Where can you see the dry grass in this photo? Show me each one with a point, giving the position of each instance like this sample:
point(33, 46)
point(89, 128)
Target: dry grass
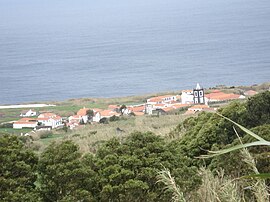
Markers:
point(164, 176)
point(89, 136)
point(218, 188)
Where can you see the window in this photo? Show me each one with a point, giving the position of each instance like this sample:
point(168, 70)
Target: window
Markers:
point(201, 93)
point(196, 94)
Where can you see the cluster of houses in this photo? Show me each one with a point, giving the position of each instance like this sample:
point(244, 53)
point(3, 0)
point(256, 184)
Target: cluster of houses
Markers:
point(193, 100)
point(190, 101)
point(44, 121)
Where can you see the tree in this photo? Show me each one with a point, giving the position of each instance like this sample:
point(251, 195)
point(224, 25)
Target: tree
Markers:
point(64, 176)
point(122, 109)
point(17, 170)
point(90, 113)
point(258, 108)
point(128, 170)
point(114, 118)
point(104, 120)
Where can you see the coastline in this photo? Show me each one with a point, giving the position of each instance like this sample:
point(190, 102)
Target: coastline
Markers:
point(26, 106)
point(127, 99)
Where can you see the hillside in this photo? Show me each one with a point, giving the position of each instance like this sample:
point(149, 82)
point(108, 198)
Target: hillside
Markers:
point(97, 163)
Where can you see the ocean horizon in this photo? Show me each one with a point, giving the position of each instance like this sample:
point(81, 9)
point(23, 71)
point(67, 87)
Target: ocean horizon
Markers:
point(57, 50)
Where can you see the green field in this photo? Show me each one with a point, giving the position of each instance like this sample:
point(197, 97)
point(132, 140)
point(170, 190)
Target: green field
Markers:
point(15, 131)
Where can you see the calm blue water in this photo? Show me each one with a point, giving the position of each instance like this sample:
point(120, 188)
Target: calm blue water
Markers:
point(59, 49)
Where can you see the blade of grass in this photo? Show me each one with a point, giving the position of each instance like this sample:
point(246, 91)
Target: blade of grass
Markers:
point(243, 128)
point(260, 175)
point(224, 151)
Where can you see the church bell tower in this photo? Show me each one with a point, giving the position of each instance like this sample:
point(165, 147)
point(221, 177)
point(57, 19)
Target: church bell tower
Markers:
point(198, 95)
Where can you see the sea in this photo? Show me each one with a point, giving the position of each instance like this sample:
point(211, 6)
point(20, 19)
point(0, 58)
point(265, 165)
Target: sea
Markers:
point(53, 50)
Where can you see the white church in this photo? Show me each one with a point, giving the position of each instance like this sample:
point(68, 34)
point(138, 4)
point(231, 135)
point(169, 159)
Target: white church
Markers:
point(195, 96)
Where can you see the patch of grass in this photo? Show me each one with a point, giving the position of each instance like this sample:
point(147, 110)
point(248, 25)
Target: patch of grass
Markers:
point(51, 138)
point(15, 131)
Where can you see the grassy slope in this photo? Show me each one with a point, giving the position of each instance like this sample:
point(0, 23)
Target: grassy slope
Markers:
point(89, 136)
point(85, 137)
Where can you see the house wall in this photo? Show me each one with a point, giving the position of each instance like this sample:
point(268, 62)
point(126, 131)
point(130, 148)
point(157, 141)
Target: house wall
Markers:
point(187, 98)
point(51, 122)
point(28, 125)
point(97, 117)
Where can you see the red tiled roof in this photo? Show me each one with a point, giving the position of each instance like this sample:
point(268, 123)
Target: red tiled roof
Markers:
point(138, 108)
point(199, 107)
point(159, 98)
point(43, 119)
point(48, 118)
point(108, 113)
point(220, 96)
point(75, 117)
point(179, 105)
point(57, 118)
point(97, 110)
point(168, 109)
point(83, 111)
point(159, 105)
point(25, 122)
point(138, 113)
point(113, 107)
point(27, 119)
point(46, 115)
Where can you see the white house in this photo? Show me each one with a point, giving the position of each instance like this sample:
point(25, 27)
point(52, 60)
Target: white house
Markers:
point(28, 113)
point(50, 119)
point(197, 108)
point(83, 113)
point(104, 114)
point(96, 117)
point(75, 119)
point(162, 99)
point(25, 123)
point(187, 97)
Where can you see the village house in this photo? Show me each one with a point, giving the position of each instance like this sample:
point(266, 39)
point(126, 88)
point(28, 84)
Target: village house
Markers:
point(28, 113)
point(162, 99)
point(96, 118)
point(163, 108)
point(25, 123)
point(139, 113)
point(160, 102)
point(75, 119)
point(50, 119)
point(158, 112)
point(98, 115)
point(108, 114)
point(218, 96)
point(197, 108)
point(83, 114)
point(72, 125)
point(187, 97)
point(136, 108)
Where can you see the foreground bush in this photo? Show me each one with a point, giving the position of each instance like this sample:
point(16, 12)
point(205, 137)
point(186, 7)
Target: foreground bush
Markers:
point(17, 170)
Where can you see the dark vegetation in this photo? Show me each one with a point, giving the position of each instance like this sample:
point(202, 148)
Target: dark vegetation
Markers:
point(125, 169)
